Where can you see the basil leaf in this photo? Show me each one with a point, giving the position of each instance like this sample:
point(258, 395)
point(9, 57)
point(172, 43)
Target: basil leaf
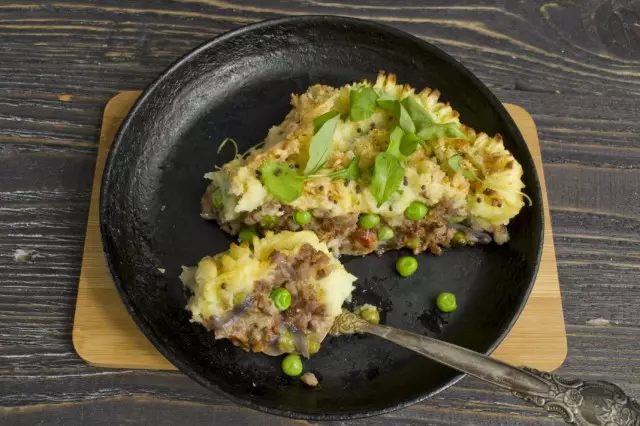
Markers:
point(409, 144)
point(447, 130)
point(426, 128)
point(418, 114)
point(395, 107)
point(387, 177)
point(320, 148)
point(405, 120)
point(395, 139)
point(281, 181)
point(362, 103)
point(454, 163)
point(389, 103)
point(351, 172)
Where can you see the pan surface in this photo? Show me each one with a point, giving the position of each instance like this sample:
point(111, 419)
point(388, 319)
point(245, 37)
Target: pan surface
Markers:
point(238, 85)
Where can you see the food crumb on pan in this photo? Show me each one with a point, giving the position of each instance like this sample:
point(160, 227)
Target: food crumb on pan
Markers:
point(309, 379)
point(24, 256)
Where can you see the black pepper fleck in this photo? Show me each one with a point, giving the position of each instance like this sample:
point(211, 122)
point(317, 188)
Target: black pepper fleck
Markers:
point(291, 166)
point(223, 286)
point(359, 130)
point(373, 126)
point(405, 181)
point(297, 166)
point(278, 172)
point(479, 199)
point(423, 187)
point(347, 182)
point(321, 187)
point(258, 173)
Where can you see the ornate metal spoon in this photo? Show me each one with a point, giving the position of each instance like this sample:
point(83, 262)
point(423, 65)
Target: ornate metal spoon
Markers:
point(581, 403)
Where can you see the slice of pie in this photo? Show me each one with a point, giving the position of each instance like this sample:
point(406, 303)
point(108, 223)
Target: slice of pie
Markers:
point(370, 168)
point(277, 294)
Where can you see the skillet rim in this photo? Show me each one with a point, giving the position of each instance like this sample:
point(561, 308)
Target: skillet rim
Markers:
point(527, 163)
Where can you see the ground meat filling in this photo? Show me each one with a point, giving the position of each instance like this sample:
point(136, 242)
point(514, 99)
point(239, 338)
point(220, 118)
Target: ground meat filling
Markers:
point(431, 233)
point(256, 322)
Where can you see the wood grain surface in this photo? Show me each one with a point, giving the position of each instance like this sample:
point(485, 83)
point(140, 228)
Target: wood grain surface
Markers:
point(104, 334)
point(574, 65)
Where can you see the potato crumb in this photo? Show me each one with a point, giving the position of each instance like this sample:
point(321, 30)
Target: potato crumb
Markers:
point(309, 379)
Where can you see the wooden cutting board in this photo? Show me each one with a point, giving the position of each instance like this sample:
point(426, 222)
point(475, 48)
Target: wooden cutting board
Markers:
point(105, 335)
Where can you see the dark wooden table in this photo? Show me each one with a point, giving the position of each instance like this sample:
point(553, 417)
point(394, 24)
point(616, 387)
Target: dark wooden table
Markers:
point(575, 65)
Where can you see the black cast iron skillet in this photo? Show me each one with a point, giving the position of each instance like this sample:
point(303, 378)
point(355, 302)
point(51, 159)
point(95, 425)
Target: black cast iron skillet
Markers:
point(239, 85)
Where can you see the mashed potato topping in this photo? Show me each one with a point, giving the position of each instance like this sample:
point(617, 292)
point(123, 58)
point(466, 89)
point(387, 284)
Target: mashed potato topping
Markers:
point(231, 290)
point(465, 178)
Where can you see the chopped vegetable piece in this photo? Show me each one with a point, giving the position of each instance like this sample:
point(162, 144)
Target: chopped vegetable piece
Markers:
point(459, 239)
point(385, 233)
point(292, 365)
point(446, 302)
point(302, 217)
point(413, 243)
point(246, 235)
point(369, 220)
point(416, 211)
point(216, 199)
point(281, 298)
point(238, 298)
point(313, 345)
point(268, 221)
point(286, 343)
point(370, 314)
point(407, 265)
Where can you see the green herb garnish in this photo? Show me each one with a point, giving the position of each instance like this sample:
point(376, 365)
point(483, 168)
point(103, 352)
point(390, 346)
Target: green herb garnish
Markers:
point(320, 148)
point(285, 184)
point(224, 142)
point(351, 172)
point(454, 163)
point(409, 144)
point(281, 181)
point(395, 140)
point(426, 127)
point(362, 103)
point(446, 130)
point(387, 176)
point(395, 107)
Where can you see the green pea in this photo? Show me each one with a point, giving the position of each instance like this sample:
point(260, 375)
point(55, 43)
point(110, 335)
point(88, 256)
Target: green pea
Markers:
point(385, 233)
point(459, 239)
point(369, 220)
point(446, 302)
point(407, 265)
point(281, 298)
point(292, 365)
point(313, 345)
point(246, 235)
point(302, 217)
point(416, 211)
point(216, 199)
point(413, 243)
point(238, 298)
point(268, 222)
point(286, 343)
point(370, 315)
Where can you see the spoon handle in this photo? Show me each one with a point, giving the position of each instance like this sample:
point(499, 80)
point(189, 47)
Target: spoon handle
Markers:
point(581, 403)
